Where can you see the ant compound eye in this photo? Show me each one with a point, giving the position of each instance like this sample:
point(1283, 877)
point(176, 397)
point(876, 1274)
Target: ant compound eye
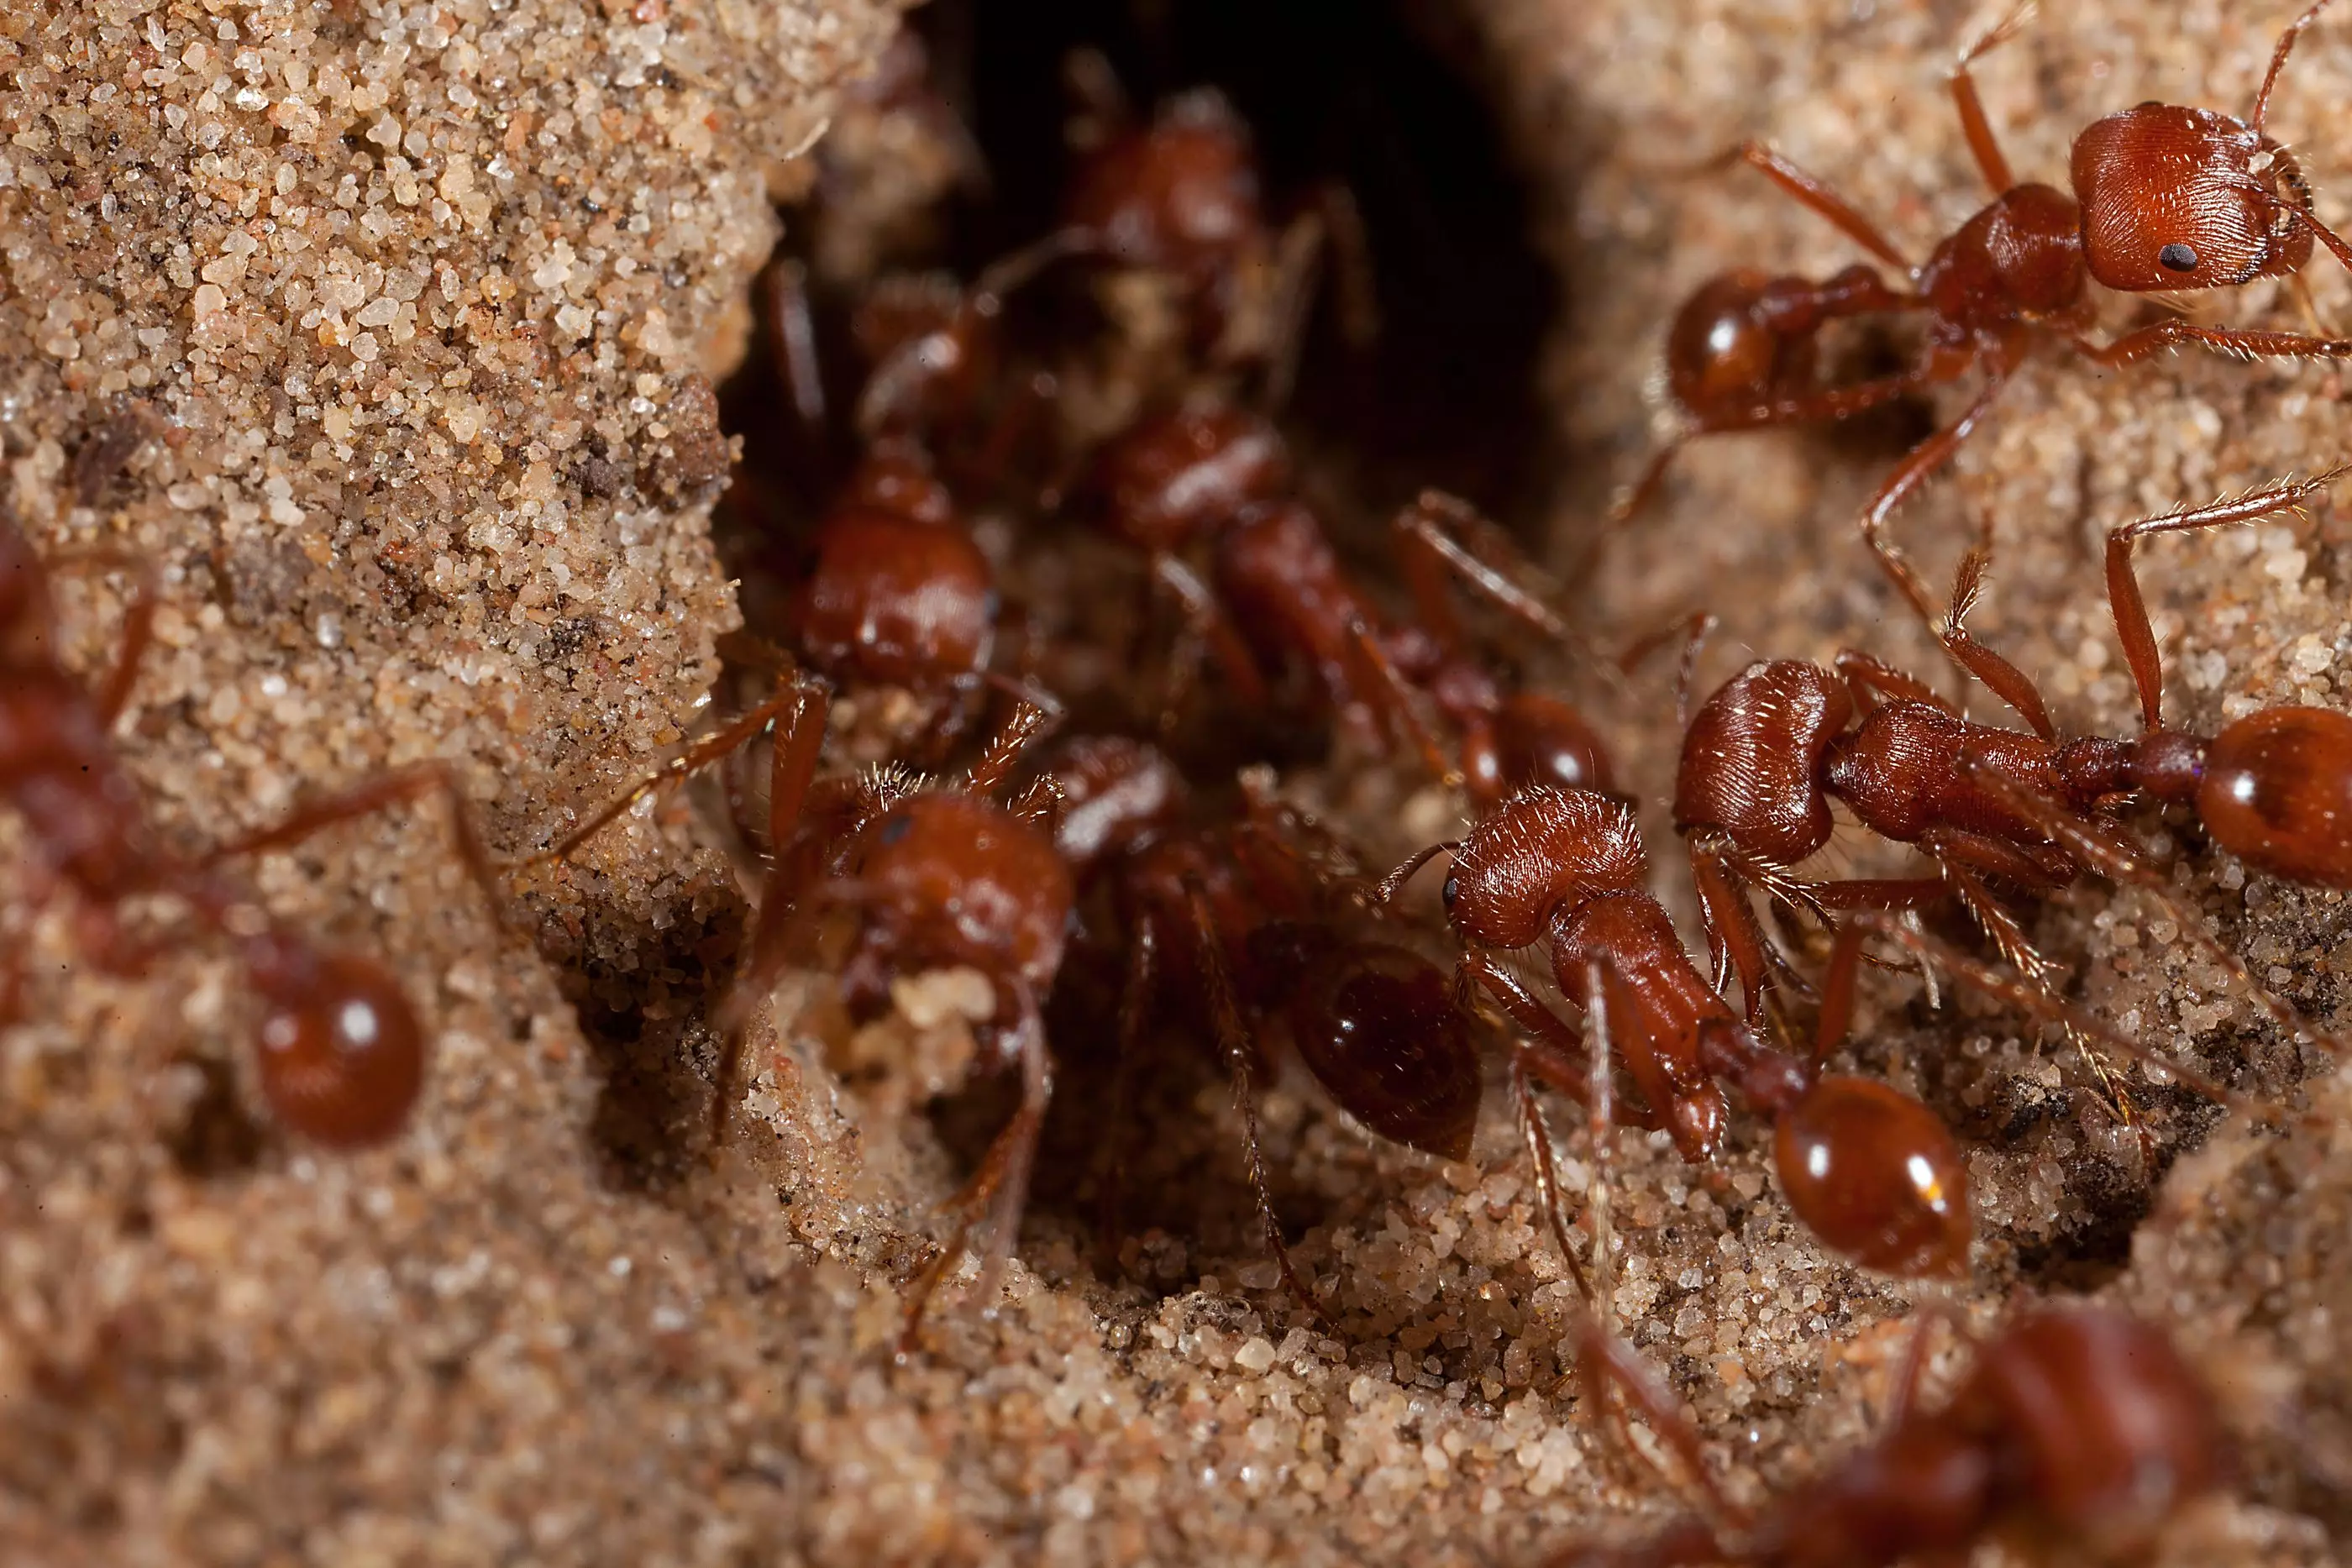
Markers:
point(896, 830)
point(2177, 257)
point(1453, 890)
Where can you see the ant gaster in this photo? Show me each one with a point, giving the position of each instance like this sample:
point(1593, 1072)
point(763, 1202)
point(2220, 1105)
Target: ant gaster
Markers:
point(2164, 197)
point(340, 1056)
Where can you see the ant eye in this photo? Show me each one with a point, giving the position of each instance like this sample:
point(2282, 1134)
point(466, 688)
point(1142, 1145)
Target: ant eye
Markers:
point(895, 828)
point(2177, 257)
point(1452, 890)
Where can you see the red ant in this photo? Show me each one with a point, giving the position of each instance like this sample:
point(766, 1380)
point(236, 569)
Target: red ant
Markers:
point(340, 1056)
point(1177, 201)
point(1236, 914)
point(1766, 755)
point(938, 876)
point(1210, 473)
point(1868, 1169)
point(2076, 1424)
point(2164, 197)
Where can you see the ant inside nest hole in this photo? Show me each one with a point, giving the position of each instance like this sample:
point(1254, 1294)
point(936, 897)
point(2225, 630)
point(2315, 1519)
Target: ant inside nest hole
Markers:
point(1051, 605)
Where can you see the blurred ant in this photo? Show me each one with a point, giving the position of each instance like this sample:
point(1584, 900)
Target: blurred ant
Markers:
point(2075, 1424)
point(2165, 198)
point(937, 875)
point(340, 1054)
point(1238, 916)
point(1766, 755)
point(1209, 473)
point(1175, 205)
point(1867, 1168)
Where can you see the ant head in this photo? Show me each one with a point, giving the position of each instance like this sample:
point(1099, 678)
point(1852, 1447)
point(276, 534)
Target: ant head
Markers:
point(1174, 475)
point(1542, 851)
point(2109, 1430)
point(2175, 197)
point(342, 1057)
point(896, 600)
point(1751, 759)
point(950, 878)
point(1873, 1174)
point(1181, 196)
point(2276, 792)
point(1378, 1027)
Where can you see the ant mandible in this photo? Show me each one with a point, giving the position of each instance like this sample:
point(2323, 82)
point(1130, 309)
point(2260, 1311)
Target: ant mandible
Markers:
point(2077, 1424)
point(2164, 197)
point(340, 1057)
point(938, 876)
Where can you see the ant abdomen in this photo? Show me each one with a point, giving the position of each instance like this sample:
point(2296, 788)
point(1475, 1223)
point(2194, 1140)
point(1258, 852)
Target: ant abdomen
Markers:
point(1532, 739)
point(341, 1058)
point(1175, 476)
point(1752, 757)
point(2173, 198)
point(1377, 1025)
point(1876, 1177)
point(900, 594)
point(2276, 791)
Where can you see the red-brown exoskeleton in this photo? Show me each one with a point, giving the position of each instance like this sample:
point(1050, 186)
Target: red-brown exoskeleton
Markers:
point(1765, 755)
point(2076, 1427)
point(1869, 1170)
point(1235, 924)
point(1195, 271)
point(931, 875)
point(340, 1054)
point(2165, 198)
point(1210, 474)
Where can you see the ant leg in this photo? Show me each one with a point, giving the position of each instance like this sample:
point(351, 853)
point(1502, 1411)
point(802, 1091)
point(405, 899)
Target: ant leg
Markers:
point(799, 697)
point(138, 617)
point(792, 772)
point(1135, 995)
point(1908, 476)
point(1298, 267)
point(1206, 625)
point(793, 331)
point(1034, 716)
point(999, 1187)
point(1732, 932)
point(1809, 192)
point(1359, 295)
point(2005, 679)
point(1869, 678)
point(364, 800)
point(2125, 864)
point(1557, 1054)
point(1628, 502)
point(2172, 332)
point(2129, 607)
point(2042, 1003)
point(1696, 628)
point(1397, 707)
point(1241, 1059)
point(2278, 61)
point(1983, 143)
point(1489, 563)
point(1538, 1135)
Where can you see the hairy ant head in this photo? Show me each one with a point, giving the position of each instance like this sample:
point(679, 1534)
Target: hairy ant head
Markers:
point(1540, 852)
point(2175, 197)
point(950, 878)
point(1752, 757)
point(2276, 791)
point(1874, 1175)
point(342, 1057)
